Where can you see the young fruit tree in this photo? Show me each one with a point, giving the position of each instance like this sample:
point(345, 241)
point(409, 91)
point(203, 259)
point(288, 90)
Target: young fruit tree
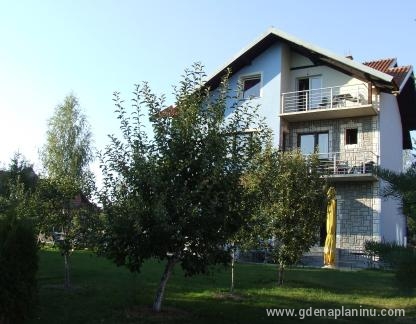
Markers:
point(290, 191)
point(63, 193)
point(173, 192)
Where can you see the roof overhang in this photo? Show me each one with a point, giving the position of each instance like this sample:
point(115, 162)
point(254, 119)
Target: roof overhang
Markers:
point(407, 107)
point(316, 54)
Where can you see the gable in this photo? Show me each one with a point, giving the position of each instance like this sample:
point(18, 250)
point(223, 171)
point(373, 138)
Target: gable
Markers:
point(316, 55)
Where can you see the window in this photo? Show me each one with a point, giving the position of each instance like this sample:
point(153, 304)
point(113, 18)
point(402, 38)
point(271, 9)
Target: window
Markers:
point(309, 92)
point(251, 86)
point(314, 142)
point(351, 136)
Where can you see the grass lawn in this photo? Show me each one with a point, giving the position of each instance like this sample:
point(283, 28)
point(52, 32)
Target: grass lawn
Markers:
point(104, 293)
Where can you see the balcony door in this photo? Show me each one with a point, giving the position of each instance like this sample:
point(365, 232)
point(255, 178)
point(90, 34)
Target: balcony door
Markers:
point(314, 142)
point(309, 92)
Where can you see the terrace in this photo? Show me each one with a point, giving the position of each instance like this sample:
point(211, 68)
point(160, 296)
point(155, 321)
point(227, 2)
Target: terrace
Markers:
point(354, 165)
point(328, 103)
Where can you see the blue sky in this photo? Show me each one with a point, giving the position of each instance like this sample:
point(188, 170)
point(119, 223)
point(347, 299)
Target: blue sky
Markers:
point(92, 48)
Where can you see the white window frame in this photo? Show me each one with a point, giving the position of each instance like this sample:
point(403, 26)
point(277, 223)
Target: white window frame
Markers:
point(250, 76)
point(325, 155)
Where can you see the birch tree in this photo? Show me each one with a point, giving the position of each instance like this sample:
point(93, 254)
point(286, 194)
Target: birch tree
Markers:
point(66, 157)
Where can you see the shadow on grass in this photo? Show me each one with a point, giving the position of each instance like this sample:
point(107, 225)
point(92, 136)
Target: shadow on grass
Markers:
point(109, 294)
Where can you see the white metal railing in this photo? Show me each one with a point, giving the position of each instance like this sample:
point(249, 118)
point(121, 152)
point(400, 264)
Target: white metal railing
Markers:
point(325, 98)
point(348, 162)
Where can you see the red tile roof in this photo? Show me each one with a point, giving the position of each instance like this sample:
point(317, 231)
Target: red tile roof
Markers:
point(382, 65)
point(170, 111)
point(400, 74)
point(389, 66)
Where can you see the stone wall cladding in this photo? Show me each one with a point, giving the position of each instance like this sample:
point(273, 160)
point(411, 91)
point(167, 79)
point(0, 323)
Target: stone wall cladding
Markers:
point(357, 214)
point(358, 211)
point(368, 139)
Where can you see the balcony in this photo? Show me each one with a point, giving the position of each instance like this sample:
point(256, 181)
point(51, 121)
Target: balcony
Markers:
point(354, 165)
point(328, 103)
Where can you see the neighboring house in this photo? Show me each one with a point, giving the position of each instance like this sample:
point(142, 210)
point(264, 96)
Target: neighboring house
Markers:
point(357, 115)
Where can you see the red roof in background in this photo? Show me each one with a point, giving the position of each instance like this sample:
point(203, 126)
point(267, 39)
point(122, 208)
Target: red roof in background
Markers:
point(399, 74)
point(170, 111)
point(382, 65)
point(389, 66)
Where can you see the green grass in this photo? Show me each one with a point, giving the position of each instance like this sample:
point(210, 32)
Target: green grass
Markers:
point(104, 293)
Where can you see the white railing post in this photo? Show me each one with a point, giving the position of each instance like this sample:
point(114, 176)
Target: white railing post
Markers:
point(313, 98)
point(335, 163)
point(307, 100)
point(331, 98)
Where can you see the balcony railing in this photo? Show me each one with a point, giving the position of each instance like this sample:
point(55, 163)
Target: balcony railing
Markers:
point(349, 163)
point(326, 98)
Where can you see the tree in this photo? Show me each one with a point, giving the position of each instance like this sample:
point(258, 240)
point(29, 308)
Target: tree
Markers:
point(289, 188)
point(177, 195)
point(68, 151)
point(18, 184)
point(66, 157)
point(19, 171)
point(18, 248)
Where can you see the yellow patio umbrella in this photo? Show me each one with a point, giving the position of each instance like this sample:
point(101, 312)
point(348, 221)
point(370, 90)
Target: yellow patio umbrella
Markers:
point(331, 223)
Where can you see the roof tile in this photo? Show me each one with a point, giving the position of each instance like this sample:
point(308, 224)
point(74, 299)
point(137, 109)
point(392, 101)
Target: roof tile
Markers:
point(382, 65)
point(390, 67)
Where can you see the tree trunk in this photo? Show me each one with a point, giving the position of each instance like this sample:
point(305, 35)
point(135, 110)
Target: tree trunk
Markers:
point(157, 305)
point(67, 283)
point(281, 270)
point(232, 270)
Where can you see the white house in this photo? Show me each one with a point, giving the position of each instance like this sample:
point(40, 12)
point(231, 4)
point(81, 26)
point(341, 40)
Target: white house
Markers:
point(358, 115)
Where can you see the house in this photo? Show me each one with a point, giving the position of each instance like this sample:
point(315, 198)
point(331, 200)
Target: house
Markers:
point(357, 115)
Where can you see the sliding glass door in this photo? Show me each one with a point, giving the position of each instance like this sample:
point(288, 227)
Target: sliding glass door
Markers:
point(314, 142)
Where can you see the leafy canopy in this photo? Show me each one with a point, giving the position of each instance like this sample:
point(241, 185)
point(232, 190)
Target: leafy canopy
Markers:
point(68, 150)
point(289, 188)
point(177, 193)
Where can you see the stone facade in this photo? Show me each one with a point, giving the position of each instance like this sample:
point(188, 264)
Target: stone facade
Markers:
point(368, 132)
point(358, 208)
point(358, 214)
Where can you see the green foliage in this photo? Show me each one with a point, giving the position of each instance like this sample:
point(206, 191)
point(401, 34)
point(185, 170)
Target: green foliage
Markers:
point(177, 194)
point(18, 266)
point(18, 245)
point(66, 157)
point(290, 191)
point(400, 258)
point(63, 209)
point(68, 150)
point(18, 171)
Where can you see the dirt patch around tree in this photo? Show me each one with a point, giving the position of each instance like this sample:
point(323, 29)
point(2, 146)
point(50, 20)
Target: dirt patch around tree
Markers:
point(142, 311)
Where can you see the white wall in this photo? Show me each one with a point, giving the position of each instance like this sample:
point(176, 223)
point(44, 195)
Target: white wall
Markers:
point(392, 221)
point(268, 64)
point(390, 133)
point(330, 77)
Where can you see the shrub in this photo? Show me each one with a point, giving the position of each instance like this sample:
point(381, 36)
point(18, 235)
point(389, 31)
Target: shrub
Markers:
point(18, 267)
point(401, 259)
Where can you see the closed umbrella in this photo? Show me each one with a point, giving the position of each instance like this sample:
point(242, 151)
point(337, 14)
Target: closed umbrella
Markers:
point(331, 221)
